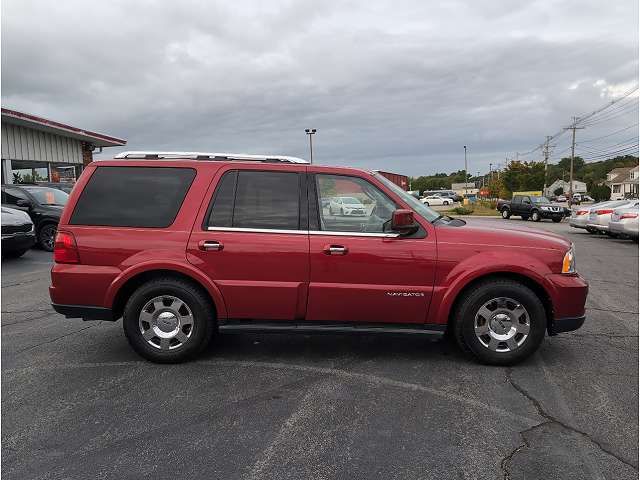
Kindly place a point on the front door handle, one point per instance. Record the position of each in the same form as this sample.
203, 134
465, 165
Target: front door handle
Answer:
335, 250
210, 245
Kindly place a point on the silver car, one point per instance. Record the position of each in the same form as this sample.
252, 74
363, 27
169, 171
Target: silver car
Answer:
624, 221
580, 216
599, 217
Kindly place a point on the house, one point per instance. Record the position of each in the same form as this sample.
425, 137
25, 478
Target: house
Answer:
623, 182
578, 187
462, 189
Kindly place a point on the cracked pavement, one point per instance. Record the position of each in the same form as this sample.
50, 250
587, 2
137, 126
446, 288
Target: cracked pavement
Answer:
78, 403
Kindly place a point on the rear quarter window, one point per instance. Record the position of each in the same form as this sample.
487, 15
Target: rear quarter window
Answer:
133, 196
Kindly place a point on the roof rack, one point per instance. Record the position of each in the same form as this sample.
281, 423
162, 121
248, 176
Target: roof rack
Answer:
209, 156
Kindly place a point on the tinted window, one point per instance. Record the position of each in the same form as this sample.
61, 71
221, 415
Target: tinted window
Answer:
133, 196
221, 214
12, 195
268, 200
48, 196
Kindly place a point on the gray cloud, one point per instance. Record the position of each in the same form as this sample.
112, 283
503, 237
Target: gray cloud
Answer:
394, 85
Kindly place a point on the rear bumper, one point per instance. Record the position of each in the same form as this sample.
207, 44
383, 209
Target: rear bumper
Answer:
568, 324
598, 226
84, 312
621, 227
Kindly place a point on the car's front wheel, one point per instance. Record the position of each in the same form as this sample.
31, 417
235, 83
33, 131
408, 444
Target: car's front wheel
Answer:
506, 213
500, 322
168, 320
445, 203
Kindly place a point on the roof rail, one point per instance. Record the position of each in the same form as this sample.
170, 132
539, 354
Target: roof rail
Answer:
209, 156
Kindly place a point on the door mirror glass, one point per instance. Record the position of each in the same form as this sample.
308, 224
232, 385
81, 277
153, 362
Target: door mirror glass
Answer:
402, 221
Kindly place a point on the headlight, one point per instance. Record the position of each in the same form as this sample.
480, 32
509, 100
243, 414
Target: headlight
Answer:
569, 261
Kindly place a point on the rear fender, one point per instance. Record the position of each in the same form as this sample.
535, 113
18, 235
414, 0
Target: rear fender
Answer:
179, 267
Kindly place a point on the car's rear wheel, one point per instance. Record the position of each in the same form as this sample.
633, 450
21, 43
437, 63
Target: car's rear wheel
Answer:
500, 322
426, 203
506, 213
168, 320
47, 236
591, 230
535, 216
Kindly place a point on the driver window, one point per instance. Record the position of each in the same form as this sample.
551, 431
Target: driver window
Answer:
351, 204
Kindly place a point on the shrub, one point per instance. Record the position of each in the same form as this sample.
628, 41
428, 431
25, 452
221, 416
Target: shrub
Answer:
463, 211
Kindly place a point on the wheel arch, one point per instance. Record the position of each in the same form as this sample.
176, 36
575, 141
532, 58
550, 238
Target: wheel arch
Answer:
125, 285
529, 282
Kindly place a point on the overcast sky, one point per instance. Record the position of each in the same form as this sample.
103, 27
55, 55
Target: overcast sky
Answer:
394, 85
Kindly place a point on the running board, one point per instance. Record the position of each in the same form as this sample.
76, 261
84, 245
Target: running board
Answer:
243, 326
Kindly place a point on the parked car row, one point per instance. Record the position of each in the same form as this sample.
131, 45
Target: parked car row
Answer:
617, 218
42, 205
531, 207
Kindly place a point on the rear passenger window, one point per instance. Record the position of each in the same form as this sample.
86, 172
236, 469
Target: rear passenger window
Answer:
133, 196
253, 199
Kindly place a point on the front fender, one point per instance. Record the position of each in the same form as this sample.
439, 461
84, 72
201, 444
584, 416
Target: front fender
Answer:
481, 265
183, 268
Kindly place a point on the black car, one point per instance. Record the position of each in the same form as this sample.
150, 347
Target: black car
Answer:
17, 233
532, 206
43, 204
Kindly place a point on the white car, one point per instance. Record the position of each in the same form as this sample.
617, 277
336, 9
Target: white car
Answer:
346, 206
624, 221
436, 200
561, 198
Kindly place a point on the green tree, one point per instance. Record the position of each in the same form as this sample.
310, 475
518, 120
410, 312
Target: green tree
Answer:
600, 193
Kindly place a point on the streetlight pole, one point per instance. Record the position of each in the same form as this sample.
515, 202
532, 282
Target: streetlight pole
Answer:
311, 132
465, 169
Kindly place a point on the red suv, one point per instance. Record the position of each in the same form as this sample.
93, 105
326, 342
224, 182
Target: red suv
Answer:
182, 245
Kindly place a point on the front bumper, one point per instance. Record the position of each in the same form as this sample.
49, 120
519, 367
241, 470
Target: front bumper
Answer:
18, 241
568, 324
568, 297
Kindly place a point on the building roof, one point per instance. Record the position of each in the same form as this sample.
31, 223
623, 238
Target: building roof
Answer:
51, 126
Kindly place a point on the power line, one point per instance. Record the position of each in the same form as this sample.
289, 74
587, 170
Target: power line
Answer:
609, 135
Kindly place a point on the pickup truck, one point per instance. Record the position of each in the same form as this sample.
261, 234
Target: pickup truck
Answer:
530, 206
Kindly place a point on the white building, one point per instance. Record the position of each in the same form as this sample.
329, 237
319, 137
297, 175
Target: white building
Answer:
578, 187
623, 182
464, 188
35, 149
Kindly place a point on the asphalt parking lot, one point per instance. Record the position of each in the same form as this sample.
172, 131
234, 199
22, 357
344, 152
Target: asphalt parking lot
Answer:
78, 403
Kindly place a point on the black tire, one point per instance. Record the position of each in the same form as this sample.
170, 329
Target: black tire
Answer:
506, 214
426, 203
14, 253
591, 230
535, 216
524, 217
195, 299
556, 219
47, 236
465, 315
445, 202
342, 211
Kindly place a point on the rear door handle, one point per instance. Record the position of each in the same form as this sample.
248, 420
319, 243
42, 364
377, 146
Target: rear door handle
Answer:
335, 250
210, 245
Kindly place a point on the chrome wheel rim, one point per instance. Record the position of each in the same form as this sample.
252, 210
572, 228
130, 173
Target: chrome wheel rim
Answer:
502, 324
166, 322
48, 237
504, 214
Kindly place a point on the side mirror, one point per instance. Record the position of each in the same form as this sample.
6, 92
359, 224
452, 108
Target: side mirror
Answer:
23, 203
403, 222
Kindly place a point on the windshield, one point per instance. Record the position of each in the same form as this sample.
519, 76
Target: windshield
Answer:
540, 200
351, 201
416, 205
48, 196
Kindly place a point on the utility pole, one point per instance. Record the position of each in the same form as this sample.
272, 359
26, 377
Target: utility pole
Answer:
311, 132
573, 129
465, 169
545, 151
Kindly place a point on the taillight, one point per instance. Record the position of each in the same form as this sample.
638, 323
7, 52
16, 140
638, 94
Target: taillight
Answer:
603, 212
628, 215
65, 249
581, 212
